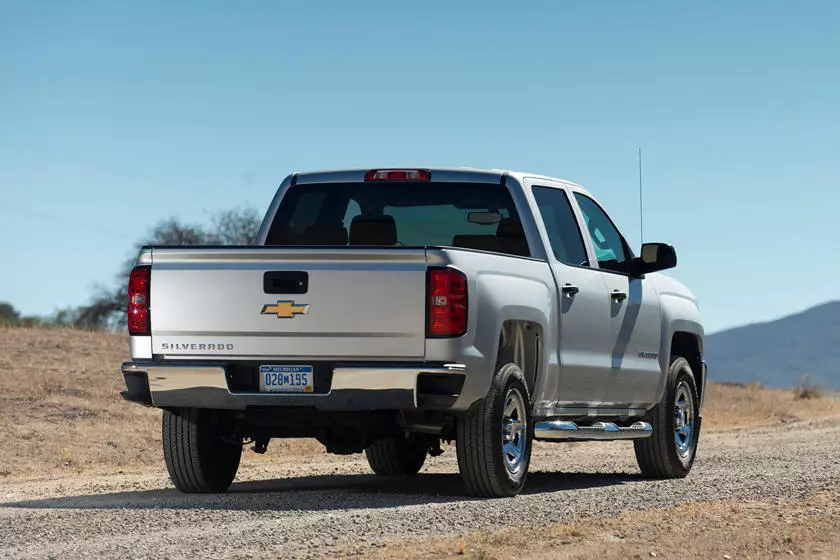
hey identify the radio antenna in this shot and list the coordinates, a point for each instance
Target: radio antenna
(641, 207)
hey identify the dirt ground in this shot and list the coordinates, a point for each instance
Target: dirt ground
(83, 471)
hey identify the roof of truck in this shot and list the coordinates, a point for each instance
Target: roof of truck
(438, 174)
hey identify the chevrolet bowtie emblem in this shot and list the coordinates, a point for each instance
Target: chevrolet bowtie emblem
(285, 309)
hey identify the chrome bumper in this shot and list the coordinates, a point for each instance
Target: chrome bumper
(352, 388)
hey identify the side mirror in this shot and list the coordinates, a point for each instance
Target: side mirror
(655, 257)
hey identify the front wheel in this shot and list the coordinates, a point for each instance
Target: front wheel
(199, 457)
(670, 450)
(493, 438)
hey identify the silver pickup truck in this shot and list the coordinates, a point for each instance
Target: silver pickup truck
(386, 311)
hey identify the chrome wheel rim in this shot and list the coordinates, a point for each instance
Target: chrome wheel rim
(683, 420)
(514, 430)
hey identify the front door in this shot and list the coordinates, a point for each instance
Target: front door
(635, 324)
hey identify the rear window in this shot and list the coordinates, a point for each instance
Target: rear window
(469, 215)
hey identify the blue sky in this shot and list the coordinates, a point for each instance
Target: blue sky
(114, 116)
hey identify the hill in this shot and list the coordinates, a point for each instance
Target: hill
(780, 353)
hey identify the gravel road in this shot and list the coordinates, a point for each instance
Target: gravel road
(302, 508)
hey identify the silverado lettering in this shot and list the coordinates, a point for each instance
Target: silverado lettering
(194, 346)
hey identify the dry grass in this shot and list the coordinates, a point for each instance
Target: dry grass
(721, 529)
(61, 411)
(729, 406)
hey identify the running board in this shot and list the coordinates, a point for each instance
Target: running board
(564, 429)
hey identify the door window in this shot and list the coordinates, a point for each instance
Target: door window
(609, 246)
(561, 225)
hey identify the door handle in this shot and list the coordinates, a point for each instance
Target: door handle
(619, 296)
(285, 282)
(569, 290)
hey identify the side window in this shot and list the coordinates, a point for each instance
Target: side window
(561, 225)
(608, 243)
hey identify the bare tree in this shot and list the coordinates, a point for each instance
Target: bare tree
(108, 305)
(237, 227)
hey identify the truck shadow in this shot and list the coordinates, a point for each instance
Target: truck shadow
(319, 493)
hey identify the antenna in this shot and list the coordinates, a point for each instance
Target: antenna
(641, 208)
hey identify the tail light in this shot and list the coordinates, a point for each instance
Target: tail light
(447, 305)
(398, 175)
(139, 322)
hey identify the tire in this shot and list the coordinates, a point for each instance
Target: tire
(197, 458)
(660, 455)
(487, 467)
(397, 456)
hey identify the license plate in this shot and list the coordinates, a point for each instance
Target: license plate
(287, 379)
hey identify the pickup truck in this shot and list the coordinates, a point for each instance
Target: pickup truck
(388, 311)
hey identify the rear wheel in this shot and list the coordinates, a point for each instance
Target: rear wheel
(494, 438)
(200, 456)
(397, 456)
(670, 450)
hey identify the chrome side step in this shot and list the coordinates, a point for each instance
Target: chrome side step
(564, 429)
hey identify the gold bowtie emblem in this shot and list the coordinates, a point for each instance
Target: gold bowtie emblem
(285, 309)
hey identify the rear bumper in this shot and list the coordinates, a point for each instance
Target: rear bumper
(351, 388)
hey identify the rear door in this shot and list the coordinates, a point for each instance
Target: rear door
(276, 302)
(584, 303)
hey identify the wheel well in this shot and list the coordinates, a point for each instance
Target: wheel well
(519, 342)
(687, 345)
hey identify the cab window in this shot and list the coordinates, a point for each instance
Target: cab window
(474, 216)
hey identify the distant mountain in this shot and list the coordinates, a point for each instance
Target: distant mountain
(779, 353)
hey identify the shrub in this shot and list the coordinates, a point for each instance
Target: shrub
(807, 390)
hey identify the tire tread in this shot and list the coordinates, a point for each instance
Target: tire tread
(476, 443)
(197, 461)
(653, 454)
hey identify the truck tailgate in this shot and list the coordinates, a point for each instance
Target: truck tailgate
(216, 302)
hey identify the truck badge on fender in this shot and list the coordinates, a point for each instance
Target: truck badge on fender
(285, 309)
